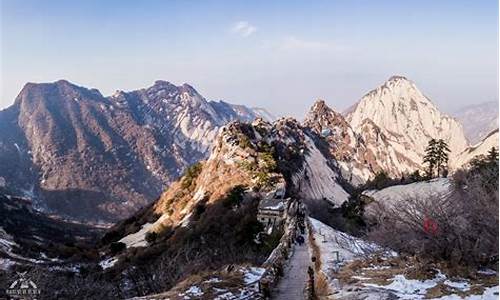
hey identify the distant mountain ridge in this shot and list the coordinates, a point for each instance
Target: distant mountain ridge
(478, 120)
(80, 154)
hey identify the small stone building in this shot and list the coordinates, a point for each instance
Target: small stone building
(271, 212)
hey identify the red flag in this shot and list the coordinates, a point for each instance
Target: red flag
(430, 226)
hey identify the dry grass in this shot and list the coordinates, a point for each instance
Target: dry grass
(440, 290)
(476, 288)
(321, 286)
(315, 249)
(382, 275)
(379, 271)
(230, 282)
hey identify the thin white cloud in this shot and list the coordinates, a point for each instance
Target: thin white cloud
(243, 28)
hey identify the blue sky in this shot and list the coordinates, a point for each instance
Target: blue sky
(281, 55)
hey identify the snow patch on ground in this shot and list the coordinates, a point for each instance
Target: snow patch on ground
(213, 280)
(108, 262)
(412, 289)
(490, 293)
(330, 240)
(409, 288)
(459, 285)
(137, 239)
(193, 291)
(391, 196)
(185, 221)
(253, 274)
(336, 248)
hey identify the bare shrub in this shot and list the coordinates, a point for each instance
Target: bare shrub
(461, 228)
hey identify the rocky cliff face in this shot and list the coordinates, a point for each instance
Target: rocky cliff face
(360, 155)
(83, 155)
(407, 118)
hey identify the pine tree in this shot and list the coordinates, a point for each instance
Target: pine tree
(436, 157)
(493, 155)
(430, 157)
(486, 168)
(442, 157)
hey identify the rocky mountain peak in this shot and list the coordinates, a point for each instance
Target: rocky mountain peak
(319, 105)
(185, 87)
(399, 82)
(162, 83)
(161, 88)
(322, 117)
(398, 89)
(260, 122)
(395, 79)
(52, 92)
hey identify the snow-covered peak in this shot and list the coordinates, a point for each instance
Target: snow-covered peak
(399, 80)
(407, 116)
(400, 84)
(384, 104)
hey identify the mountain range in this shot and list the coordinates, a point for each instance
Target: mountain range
(81, 155)
(189, 183)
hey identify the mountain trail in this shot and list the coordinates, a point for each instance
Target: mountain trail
(293, 283)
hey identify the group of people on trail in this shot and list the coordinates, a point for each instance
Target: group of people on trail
(301, 226)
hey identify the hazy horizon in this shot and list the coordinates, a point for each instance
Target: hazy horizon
(281, 56)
